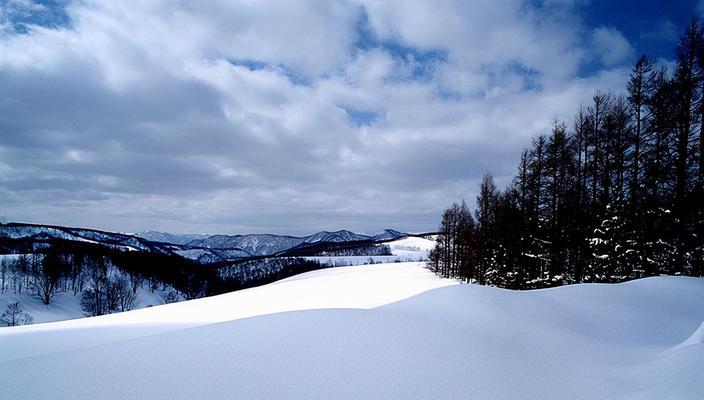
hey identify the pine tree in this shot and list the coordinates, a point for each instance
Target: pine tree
(486, 208)
(620, 197)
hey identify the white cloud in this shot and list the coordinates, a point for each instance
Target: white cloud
(133, 118)
(611, 46)
(485, 32)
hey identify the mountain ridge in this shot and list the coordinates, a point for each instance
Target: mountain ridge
(202, 248)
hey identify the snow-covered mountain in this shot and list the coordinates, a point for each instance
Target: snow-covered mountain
(381, 331)
(255, 244)
(49, 232)
(389, 234)
(173, 238)
(267, 244)
(335, 237)
(197, 247)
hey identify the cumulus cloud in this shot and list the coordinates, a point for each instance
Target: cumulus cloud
(611, 46)
(240, 116)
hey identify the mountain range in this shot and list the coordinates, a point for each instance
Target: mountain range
(202, 248)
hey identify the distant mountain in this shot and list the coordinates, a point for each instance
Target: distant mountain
(267, 244)
(203, 249)
(255, 244)
(335, 237)
(173, 238)
(389, 234)
(43, 233)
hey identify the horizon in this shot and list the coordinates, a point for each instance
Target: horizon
(297, 235)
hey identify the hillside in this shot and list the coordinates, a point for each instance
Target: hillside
(382, 331)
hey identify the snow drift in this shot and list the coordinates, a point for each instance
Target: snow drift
(342, 336)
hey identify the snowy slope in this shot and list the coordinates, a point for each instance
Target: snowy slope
(408, 249)
(349, 340)
(349, 287)
(411, 248)
(66, 305)
(343, 261)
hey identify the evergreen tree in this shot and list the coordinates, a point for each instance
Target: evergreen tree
(486, 214)
(619, 197)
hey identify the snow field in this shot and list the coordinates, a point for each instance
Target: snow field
(376, 332)
(359, 287)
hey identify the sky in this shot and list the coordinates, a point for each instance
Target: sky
(241, 116)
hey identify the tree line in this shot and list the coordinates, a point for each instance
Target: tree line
(617, 194)
(110, 280)
(102, 286)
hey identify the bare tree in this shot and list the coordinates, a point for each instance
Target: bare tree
(4, 272)
(136, 280)
(47, 274)
(93, 299)
(14, 315)
(126, 296)
(170, 297)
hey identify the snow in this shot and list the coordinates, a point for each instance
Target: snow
(80, 239)
(412, 248)
(360, 287)
(409, 249)
(66, 305)
(343, 261)
(697, 338)
(377, 331)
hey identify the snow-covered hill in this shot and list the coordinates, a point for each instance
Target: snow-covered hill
(381, 331)
(412, 248)
(407, 249)
(349, 287)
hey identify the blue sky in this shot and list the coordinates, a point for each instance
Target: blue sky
(652, 26)
(291, 117)
(46, 13)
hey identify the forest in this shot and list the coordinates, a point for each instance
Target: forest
(615, 194)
